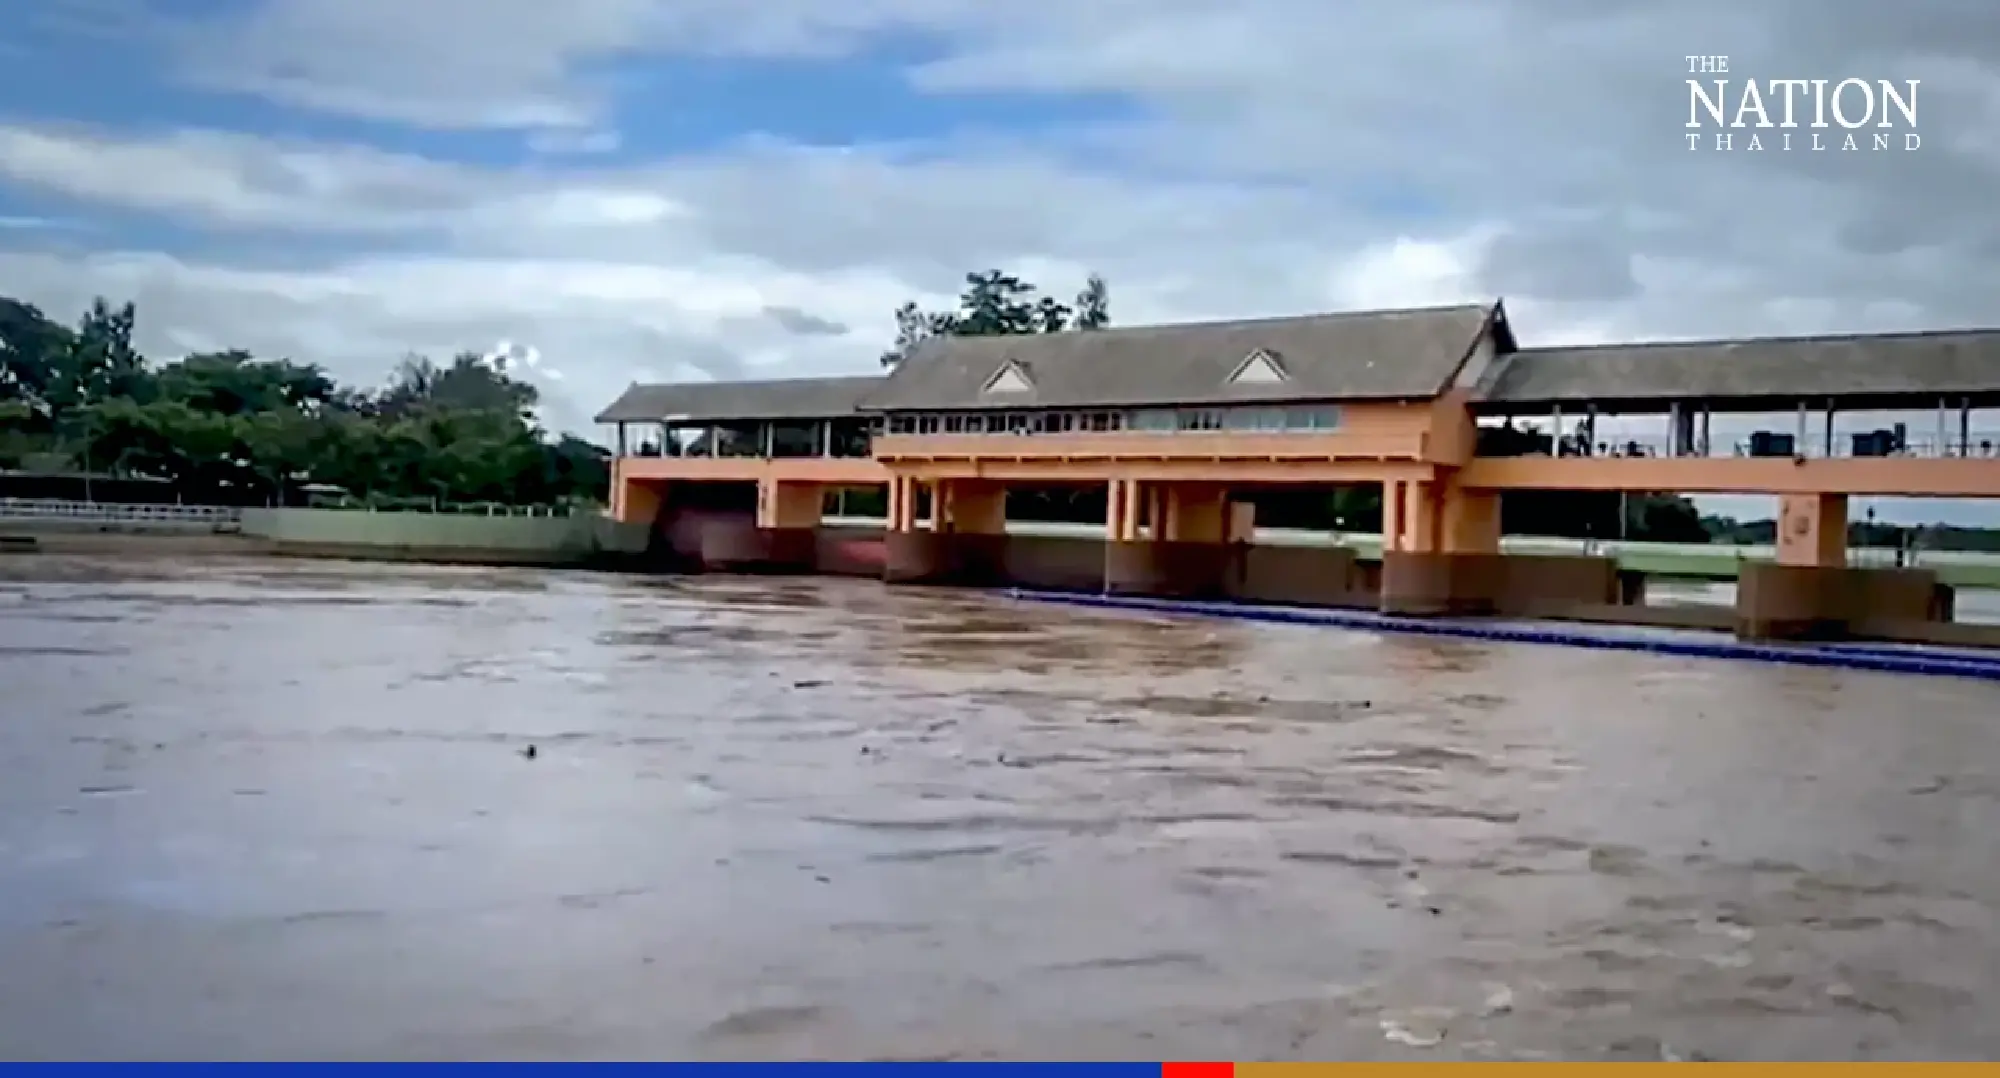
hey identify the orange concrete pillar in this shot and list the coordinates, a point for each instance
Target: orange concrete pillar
(789, 504)
(902, 504)
(1195, 513)
(1471, 521)
(1123, 511)
(940, 506)
(1422, 512)
(636, 502)
(1812, 530)
(973, 507)
(1392, 515)
(1242, 523)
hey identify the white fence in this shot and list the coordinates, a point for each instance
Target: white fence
(51, 509)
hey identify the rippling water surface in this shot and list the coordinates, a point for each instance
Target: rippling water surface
(264, 809)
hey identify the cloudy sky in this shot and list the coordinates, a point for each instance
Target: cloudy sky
(659, 189)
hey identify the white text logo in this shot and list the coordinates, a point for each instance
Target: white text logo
(1850, 115)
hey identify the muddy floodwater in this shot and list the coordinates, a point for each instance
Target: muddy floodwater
(263, 809)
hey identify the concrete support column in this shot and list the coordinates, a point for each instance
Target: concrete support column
(788, 505)
(1186, 550)
(1392, 516)
(1242, 523)
(902, 504)
(1124, 511)
(1195, 513)
(636, 502)
(940, 507)
(1471, 521)
(783, 537)
(965, 542)
(1812, 530)
(974, 507)
(1411, 512)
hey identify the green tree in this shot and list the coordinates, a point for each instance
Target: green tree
(237, 383)
(231, 425)
(30, 344)
(1093, 305)
(998, 304)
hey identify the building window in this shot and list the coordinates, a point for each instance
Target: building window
(1317, 417)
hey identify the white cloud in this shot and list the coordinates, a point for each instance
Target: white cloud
(1277, 155)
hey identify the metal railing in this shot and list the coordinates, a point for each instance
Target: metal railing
(117, 512)
(1977, 445)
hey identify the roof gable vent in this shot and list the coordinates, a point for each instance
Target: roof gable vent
(1260, 368)
(1012, 378)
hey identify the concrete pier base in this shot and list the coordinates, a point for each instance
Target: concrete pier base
(1169, 570)
(924, 557)
(740, 546)
(1471, 585)
(1811, 602)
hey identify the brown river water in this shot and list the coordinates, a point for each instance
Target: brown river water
(260, 809)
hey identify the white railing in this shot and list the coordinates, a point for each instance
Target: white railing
(1981, 445)
(117, 512)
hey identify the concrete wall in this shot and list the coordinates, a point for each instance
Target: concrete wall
(447, 536)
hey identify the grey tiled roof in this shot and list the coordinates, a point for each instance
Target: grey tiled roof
(1877, 366)
(1355, 356)
(788, 398)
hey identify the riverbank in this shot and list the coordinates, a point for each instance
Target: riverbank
(579, 541)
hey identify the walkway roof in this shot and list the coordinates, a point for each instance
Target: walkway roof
(1890, 370)
(723, 402)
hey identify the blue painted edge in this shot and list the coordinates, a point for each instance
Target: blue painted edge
(1909, 660)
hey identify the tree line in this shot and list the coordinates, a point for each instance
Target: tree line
(229, 427)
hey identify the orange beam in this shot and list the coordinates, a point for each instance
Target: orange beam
(831, 471)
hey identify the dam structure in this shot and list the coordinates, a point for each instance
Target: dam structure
(1179, 427)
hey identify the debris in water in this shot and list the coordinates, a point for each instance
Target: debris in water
(809, 683)
(1402, 1034)
(528, 753)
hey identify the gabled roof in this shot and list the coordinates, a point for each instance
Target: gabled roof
(1407, 354)
(787, 398)
(1766, 371)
